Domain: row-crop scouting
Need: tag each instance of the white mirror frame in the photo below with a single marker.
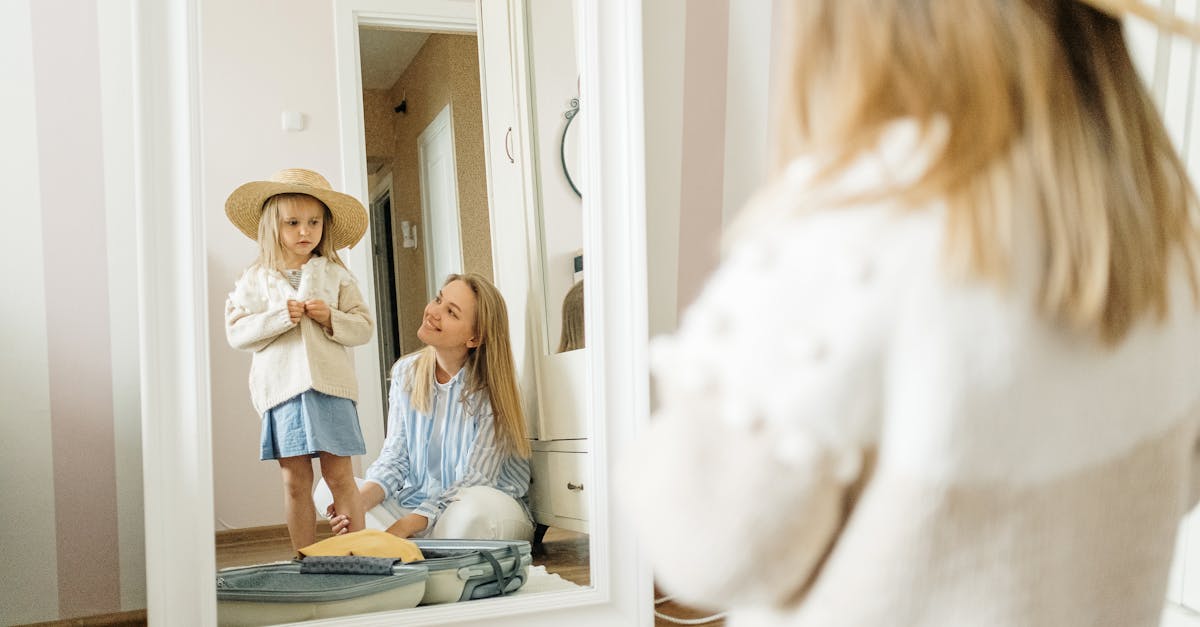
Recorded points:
(172, 307)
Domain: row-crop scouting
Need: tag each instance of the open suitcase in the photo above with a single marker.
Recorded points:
(461, 570)
(268, 594)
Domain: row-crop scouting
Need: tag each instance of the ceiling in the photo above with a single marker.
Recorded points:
(386, 54)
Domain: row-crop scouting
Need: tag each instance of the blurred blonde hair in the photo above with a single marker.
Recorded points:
(270, 249)
(1044, 112)
(489, 367)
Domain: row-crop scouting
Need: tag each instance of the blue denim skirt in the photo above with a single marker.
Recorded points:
(311, 422)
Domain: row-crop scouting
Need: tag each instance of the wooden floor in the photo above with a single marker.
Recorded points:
(562, 552)
(675, 610)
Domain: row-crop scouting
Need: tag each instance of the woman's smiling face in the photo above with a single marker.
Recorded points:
(449, 319)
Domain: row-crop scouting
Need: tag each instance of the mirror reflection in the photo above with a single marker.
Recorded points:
(431, 267)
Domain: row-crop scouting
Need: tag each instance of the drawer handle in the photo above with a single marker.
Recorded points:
(574, 486)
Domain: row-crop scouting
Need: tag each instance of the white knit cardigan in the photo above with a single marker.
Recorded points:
(292, 358)
(848, 437)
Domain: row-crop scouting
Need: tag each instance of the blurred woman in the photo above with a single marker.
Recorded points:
(946, 374)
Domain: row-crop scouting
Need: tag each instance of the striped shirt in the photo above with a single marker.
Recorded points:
(427, 458)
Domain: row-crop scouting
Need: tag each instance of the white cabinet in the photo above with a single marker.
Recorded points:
(560, 493)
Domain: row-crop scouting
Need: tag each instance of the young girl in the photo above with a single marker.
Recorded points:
(298, 308)
(946, 373)
(456, 460)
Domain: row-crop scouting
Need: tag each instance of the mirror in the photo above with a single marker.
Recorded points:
(555, 103)
(182, 175)
(443, 168)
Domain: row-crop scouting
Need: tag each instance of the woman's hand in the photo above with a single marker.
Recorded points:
(295, 310)
(318, 311)
(408, 526)
(340, 523)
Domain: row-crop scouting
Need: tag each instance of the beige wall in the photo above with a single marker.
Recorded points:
(379, 125)
(445, 71)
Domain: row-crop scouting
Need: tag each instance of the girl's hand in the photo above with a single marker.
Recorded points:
(318, 311)
(295, 310)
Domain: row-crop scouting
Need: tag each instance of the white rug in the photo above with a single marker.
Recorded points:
(542, 581)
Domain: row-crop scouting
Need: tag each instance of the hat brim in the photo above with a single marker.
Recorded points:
(245, 205)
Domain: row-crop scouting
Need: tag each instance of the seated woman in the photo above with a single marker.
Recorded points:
(455, 463)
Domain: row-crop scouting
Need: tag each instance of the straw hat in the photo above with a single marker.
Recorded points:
(245, 205)
(1163, 18)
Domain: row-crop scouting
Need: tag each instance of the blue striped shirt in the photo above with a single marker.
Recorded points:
(427, 458)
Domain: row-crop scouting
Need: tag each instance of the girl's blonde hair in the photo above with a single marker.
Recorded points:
(270, 250)
(1044, 113)
(489, 367)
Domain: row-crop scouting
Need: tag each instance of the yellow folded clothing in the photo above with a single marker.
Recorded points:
(368, 543)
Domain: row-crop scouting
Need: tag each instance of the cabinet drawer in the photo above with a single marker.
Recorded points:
(568, 484)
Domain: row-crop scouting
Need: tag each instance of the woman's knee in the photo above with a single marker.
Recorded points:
(483, 513)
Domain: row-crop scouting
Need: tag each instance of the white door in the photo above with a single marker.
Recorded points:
(439, 201)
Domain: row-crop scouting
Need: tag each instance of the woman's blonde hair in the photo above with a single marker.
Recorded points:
(1043, 111)
(489, 367)
(270, 250)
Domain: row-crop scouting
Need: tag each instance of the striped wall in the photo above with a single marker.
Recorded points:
(71, 525)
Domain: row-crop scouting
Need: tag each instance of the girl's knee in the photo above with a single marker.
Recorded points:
(339, 479)
(297, 476)
(296, 487)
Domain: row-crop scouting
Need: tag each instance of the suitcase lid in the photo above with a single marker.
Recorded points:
(283, 582)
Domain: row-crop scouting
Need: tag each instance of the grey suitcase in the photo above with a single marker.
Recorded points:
(461, 570)
(268, 594)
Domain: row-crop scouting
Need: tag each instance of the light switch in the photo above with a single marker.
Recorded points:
(293, 121)
(409, 234)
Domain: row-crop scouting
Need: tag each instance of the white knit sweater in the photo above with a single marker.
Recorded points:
(291, 358)
(847, 437)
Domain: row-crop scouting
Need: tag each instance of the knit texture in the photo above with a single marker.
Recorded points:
(872, 442)
(292, 358)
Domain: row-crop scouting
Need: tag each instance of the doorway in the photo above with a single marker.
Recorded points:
(383, 263)
(423, 134)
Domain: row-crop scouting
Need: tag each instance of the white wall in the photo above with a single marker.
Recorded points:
(752, 29)
(70, 435)
(663, 40)
(31, 592)
(709, 110)
(257, 60)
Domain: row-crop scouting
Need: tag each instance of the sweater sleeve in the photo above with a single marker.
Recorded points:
(250, 323)
(351, 320)
(768, 394)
